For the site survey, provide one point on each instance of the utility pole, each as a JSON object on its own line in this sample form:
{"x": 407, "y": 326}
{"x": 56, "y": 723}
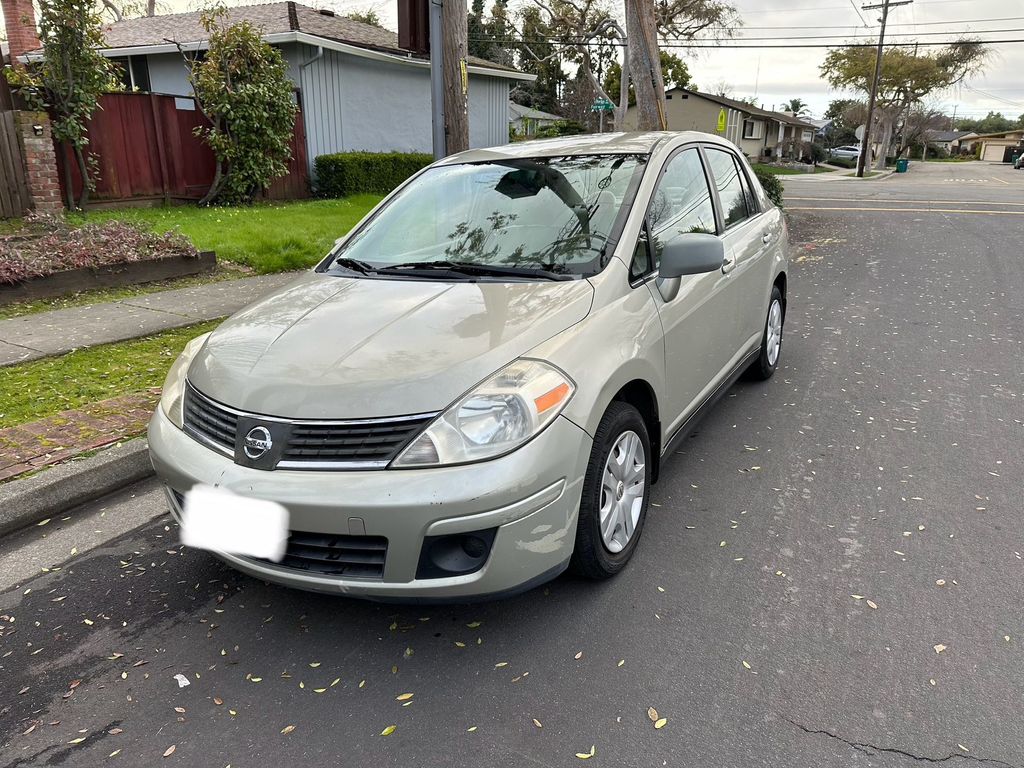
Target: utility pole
{"x": 885, "y": 5}
{"x": 454, "y": 41}
{"x": 436, "y": 80}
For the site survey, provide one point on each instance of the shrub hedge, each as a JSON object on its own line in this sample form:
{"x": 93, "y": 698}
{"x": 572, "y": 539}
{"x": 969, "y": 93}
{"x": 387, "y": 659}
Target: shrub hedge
{"x": 352, "y": 173}
{"x": 772, "y": 185}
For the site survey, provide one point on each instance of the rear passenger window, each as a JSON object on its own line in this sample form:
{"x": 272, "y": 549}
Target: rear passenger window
{"x": 733, "y": 191}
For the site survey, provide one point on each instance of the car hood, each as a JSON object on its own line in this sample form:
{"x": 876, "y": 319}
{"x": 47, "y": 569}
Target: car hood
{"x": 328, "y": 347}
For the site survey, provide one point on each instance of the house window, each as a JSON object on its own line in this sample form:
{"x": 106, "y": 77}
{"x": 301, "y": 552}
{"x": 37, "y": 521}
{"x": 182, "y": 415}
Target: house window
{"x": 807, "y": 136}
{"x": 753, "y": 129}
{"x": 133, "y": 72}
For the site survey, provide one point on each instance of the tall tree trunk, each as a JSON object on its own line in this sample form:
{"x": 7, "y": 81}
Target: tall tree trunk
{"x": 620, "y": 111}
{"x": 83, "y": 169}
{"x": 645, "y": 65}
{"x": 454, "y": 33}
{"x": 884, "y": 144}
{"x": 218, "y": 182}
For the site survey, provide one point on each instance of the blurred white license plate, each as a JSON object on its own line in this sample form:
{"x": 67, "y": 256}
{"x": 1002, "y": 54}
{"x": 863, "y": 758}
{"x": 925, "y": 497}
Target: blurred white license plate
{"x": 222, "y": 521}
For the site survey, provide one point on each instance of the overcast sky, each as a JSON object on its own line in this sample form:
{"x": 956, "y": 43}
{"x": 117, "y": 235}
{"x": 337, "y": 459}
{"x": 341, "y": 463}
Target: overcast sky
{"x": 775, "y": 75}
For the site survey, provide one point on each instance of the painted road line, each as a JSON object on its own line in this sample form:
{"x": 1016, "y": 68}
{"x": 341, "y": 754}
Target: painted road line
{"x": 1001, "y": 181}
{"x": 919, "y": 202}
{"x": 903, "y": 210}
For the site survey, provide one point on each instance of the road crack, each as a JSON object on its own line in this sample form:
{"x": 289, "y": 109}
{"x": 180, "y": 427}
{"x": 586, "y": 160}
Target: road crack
{"x": 871, "y": 748}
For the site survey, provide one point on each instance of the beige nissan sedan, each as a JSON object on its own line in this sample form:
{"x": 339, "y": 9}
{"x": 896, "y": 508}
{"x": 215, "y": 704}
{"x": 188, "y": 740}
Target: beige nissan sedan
{"x": 477, "y": 387}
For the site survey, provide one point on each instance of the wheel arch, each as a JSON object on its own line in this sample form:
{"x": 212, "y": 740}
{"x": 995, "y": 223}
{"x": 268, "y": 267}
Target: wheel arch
{"x": 640, "y": 394}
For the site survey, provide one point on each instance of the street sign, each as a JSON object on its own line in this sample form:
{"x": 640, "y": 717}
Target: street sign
{"x": 601, "y": 104}
{"x": 859, "y": 133}
{"x": 722, "y": 119}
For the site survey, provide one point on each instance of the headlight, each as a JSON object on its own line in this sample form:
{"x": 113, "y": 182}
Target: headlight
{"x": 174, "y": 384}
{"x": 501, "y": 414}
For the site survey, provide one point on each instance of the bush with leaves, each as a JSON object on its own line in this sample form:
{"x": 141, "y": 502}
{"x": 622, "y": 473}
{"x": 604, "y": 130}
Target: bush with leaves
{"x": 243, "y": 89}
{"x": 69, "y": 79}
{"x": 771, "y": 184}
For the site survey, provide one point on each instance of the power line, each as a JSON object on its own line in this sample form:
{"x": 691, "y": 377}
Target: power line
{"x": 853, "y": 26}
{"x": 702, "y": 43}
{"x": 1007, "y": 102}
{"x": 894, "y": 34}
{"x": 859, "y": 14}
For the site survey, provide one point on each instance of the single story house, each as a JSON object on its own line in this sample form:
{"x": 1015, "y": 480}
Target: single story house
{"x": 995, "y": 147}
{"x": 526, "y": 121}
{"x": 357, "y": 88}
{"x": 947, "y": 140}
{"x": 759, "y": 133}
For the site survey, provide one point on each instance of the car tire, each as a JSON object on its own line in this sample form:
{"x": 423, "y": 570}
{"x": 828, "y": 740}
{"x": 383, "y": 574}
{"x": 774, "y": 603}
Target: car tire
{"x": 767, "y": 361}
{"x": 611, "y": 496}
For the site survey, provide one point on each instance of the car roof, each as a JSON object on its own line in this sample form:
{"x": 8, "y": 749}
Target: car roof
{"x": 586, "y": 144}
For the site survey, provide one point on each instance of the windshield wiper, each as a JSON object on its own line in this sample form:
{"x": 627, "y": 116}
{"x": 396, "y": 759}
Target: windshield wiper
{"x": 354, "y": 265}
{"x": 469, "y": 268}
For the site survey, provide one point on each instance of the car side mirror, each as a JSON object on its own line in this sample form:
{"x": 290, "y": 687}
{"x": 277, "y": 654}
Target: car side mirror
{"x": 691, "y": 253}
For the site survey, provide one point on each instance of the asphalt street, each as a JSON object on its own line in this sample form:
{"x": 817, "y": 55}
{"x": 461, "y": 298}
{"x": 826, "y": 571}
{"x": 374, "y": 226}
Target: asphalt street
{"x": 831, "y": 573}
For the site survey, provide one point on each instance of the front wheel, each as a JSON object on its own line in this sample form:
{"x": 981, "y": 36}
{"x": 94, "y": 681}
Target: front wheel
{"x": 616, "y": 492}
{"x": 771, "y": 340}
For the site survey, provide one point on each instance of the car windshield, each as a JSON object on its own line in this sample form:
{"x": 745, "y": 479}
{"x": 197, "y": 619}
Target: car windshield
{"x": 517, "y": 217}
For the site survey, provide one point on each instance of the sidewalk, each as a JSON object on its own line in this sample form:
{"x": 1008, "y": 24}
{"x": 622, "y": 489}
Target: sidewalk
{"x": 54, "y": 333}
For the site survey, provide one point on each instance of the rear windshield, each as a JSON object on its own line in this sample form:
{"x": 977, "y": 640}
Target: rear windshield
{"x": 559, "y": 214}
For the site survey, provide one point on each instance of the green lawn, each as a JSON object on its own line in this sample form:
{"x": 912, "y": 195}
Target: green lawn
{"x": 44, "y": 387}
{"x": 269, "y": 237}
{"x": 776, "y": 170}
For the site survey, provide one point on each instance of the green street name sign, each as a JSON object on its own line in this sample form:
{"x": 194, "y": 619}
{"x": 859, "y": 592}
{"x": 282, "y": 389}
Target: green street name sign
{"x": 601, "y": 104}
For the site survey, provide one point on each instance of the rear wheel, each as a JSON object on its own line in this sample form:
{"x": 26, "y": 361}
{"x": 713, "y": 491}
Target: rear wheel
{"x": 616, "y": 493}
{"x": 771, "y": 340}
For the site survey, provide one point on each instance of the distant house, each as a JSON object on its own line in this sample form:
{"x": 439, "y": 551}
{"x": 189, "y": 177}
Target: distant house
{"x": 526, "y": 121}
{"x": 994, "y": 147}
{"x": 758, "y": 133}
{"x": 947, "y": 140}
{"x": 357, "y": 89}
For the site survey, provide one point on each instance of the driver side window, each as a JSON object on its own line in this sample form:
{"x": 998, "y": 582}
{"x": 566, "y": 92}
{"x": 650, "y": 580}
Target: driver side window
{"x": 681, "y": 203}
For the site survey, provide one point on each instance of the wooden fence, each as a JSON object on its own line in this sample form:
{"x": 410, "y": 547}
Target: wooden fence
{"x": 146, "y": 149}
{"x": 14, "y": 198}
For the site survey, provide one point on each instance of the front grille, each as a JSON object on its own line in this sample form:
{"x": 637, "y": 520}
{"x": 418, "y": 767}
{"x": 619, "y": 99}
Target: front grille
{"x": 208, "y": 421}
{"x": 302, "y": 444}
{"x": 359, "y": 557}
{"x": 380, "y": 441}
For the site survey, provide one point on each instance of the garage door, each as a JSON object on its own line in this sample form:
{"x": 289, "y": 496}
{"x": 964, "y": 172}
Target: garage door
{"x": 993, "y": 153}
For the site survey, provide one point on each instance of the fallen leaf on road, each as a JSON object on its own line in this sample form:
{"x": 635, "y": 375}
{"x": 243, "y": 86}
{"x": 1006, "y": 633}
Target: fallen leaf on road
{"x": 314, "y": 664}
{"x": 652, "y": 713}
{"x": 857, "y": 597}
{"x": 115, "y": 731}
{"x": 43, "y": 522}
{"x": 871, "y": 604}
{"x": 389, "y": 730}
{"x": 471, "y": 729}
{"x": 473, "y": 624}
{"x": 587, "y": 755}
{"x": 182, "y": 680}
{"x": 939, "y": 648}
{"x": 287, "y": 729}
{"x": 79, "y": 740}
{"x": 578, "y": 655}
{"x": 940, "y": 582}
{"x": 218, "y": 701}
{"x": 746, "y": 664}
{"x": 169, "y": 751}
{"x": 115, "y": 753}
{"x": 621, "y": 662}
{"x": 88, "y": 622}
{"x": 965, "y": 749}
{"x": 180, "y": 710}
{"x": 660, "y": 723}
{"x": 404, "y": 696}
{"x": 537, "y": 723}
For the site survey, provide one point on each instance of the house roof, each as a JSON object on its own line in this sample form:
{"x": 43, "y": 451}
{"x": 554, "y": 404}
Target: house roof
{"x": 945, "y": 135}
{"x": 518, "y": 111}
{"x": 998, "y": 134}
{"x": 742, "y": 106}
{"x": 278, "y": 22}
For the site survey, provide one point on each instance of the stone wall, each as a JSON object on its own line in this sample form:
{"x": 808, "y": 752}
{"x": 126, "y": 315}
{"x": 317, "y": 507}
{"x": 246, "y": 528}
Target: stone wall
{"x": 40, "y": 161}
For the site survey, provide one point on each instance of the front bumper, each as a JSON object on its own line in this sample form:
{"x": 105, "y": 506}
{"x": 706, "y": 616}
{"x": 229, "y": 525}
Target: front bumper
{"x": 531, "y": 496}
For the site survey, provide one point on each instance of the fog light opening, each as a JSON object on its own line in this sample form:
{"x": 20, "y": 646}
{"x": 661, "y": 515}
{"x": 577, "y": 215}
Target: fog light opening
{"x": 454, "y": 555}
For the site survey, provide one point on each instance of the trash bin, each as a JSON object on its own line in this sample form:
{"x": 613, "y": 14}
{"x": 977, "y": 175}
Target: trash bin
{"x": 901, "y": 165}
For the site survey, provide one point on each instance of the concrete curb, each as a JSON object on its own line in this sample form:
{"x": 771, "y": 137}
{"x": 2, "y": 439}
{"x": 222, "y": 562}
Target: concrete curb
{"x": 59, "y": 488}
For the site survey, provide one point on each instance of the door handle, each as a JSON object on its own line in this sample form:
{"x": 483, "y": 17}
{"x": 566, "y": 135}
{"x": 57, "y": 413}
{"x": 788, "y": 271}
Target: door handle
{"x": 766, "y": 238}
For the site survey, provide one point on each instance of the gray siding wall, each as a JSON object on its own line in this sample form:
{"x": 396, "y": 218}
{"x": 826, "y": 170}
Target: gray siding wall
{"x": 352, "y": 103}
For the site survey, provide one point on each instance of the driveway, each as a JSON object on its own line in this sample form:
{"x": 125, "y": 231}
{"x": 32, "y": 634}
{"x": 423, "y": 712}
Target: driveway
{"x": 831, "y": 573}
